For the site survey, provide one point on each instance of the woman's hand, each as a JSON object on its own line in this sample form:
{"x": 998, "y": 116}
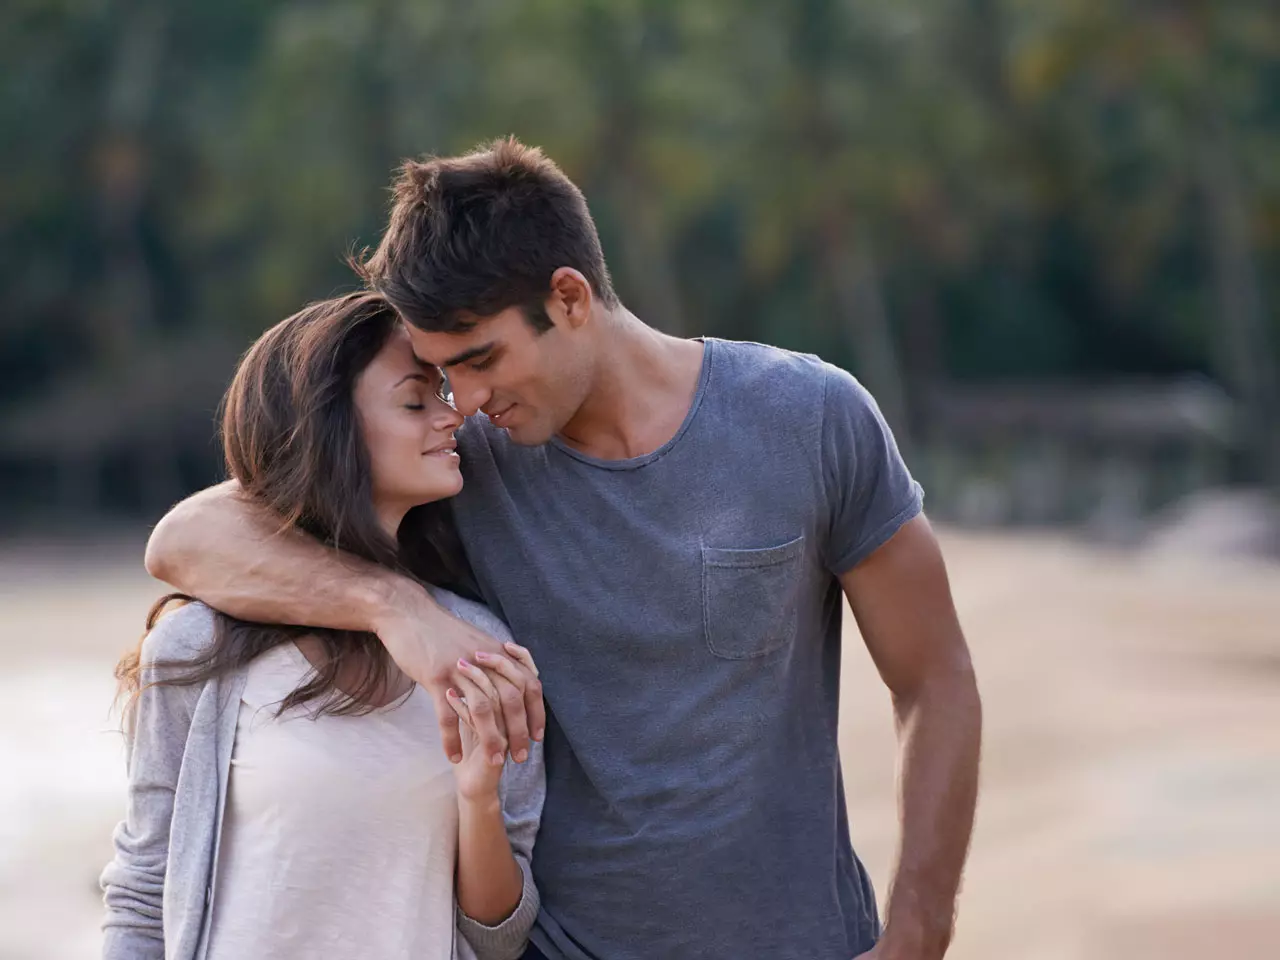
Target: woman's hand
{"x": 426, "y": 643}
{"x": 477, "y": 703}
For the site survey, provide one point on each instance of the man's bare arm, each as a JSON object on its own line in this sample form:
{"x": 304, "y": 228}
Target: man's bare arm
{"x": 902, "y": 601}
{"x": 219, "y": 547}
{"x": 231, "y": 554}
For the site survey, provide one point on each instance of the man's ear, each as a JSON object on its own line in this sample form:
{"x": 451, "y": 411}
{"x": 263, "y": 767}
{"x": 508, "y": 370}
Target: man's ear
{"x": 570, "y": 298}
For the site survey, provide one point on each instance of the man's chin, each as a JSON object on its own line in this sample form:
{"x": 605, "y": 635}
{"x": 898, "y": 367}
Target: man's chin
{"x": 528, "y": 435}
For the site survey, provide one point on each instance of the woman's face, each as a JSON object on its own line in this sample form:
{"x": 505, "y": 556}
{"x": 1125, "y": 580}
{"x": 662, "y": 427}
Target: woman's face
{"x": 408, "y": 429}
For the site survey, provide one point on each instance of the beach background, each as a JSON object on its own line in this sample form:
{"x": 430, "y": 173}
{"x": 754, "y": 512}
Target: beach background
{"x": 1131, "y": 781}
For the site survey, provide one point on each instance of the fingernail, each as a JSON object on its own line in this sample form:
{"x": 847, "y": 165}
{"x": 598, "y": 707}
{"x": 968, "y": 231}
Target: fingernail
{"x": 496, "y": 759}
{"x": 456, "y": 758}
{"x": 522, "y": 756}
{"x": 481, "y": 655}
{"x": 463, "y": 663}
{"x": 537, "y": 735}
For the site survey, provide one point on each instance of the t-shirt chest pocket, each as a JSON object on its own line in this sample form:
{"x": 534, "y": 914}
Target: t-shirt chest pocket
{"x": 749, "y": 598}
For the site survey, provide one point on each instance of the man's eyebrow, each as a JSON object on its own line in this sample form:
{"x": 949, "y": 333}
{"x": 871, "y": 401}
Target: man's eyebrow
{"x": 466, "y": 355}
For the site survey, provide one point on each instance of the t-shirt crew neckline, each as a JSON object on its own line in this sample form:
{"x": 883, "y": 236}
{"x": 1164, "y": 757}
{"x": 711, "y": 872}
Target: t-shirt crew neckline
{"x": 704, "y": 377}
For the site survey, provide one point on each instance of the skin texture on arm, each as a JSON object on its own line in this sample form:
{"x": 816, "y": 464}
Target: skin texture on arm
{"x": 221, "y": 548}
{"x": 489, "y": 880}
{"x": 902, "y": 601}
{"x": 228, "y": 552}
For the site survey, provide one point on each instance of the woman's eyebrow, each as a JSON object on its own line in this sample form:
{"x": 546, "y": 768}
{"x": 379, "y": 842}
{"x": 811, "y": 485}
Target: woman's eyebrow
{"x": 412, "y": 376}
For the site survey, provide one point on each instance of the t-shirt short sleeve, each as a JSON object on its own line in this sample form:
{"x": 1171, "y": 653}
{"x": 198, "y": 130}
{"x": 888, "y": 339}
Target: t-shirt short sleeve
{"x": 870, "y": 492}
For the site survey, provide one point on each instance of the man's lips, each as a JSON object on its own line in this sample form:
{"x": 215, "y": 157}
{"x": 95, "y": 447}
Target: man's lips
{"x": 500, "y": 418}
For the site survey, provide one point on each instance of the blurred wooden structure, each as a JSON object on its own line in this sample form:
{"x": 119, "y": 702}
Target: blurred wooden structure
{"x": 136, "y": 437}
{"x": 1102, "y": 456}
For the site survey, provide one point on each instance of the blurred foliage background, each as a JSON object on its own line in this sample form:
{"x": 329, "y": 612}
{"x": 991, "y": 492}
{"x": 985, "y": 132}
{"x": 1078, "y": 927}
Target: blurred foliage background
{"x": 1045, "y": 233}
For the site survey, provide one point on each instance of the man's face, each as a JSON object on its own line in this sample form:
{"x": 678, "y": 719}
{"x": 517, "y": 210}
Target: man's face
{"x": 529, "y": 383}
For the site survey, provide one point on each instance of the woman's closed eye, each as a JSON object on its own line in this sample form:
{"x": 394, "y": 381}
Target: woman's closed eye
{"x": 416, "y": 388}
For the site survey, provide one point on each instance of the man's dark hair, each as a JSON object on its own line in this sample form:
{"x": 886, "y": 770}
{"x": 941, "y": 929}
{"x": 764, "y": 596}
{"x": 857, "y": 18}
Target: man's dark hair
{"x": 480, "y": 233}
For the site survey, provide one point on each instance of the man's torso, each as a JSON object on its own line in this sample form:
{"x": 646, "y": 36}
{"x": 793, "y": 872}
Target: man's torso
{"x": 688, "y": 634}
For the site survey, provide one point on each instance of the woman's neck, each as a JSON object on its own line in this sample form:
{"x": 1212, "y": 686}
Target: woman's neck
{"x": 390, "y": 516}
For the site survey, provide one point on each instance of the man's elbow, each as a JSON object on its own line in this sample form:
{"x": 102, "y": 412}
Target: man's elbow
{"x": 161, "y": 559}
{"x": 949, "y": 685}
{"x": 179, "y": 528}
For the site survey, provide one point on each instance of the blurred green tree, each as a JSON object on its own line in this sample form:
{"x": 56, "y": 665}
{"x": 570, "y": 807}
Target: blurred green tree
{"x": 926, "y": 191}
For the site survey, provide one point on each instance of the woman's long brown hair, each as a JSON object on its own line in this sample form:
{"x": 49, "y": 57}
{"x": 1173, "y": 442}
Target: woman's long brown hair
{"x": 291, "y": 437}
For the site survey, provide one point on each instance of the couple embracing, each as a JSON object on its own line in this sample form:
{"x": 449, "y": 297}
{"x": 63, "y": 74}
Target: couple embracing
{"x": 518, "y": 629}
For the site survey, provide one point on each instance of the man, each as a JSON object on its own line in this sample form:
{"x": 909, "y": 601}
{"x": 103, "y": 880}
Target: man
{"x": 669, "y": 525}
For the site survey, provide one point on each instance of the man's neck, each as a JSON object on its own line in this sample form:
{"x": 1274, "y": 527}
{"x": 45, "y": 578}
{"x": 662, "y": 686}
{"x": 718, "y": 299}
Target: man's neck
{"x": 644, "y": 384}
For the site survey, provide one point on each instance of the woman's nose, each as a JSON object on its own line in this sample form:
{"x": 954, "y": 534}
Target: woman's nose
{"x": 447, "y": 416}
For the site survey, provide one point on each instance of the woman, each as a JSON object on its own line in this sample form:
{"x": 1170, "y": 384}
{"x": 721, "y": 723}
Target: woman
{"x": 288, "y": 794}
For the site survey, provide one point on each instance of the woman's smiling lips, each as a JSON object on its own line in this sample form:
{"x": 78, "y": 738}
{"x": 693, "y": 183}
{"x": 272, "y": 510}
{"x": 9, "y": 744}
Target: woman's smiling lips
{"x": 447, "y": 449}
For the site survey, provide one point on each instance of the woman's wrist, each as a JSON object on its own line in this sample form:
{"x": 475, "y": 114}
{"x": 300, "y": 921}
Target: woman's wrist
{"x": 485, "y": 804}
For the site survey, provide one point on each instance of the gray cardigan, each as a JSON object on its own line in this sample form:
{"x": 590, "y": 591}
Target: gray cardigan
{"x": 159, "y": 887}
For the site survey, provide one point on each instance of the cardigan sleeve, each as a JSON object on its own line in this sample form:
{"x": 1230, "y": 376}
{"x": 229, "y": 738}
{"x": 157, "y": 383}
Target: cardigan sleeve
{"x": 158, "y": 721}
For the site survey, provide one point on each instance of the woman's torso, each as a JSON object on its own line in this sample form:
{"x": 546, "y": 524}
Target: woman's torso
{"x": 340, "y": 832}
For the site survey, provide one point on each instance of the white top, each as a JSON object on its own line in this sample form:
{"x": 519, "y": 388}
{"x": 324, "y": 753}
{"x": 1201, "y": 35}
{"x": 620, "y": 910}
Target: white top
{"x": 340, "y": 833}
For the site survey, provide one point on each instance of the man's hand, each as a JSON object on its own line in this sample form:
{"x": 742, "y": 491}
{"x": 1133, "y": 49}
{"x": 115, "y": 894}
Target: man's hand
{"x": 478, "y": 699}
{"x": 480, "y": 772}
{"x": 888, "y": 949}
{"x": 428, "y": 644}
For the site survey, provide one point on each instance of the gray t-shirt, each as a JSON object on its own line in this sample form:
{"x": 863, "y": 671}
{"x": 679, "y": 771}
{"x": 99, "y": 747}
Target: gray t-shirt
{"x": 684, "y": 610}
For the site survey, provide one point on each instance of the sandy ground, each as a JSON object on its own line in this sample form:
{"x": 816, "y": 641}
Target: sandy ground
{"x": 1131, "y": 791}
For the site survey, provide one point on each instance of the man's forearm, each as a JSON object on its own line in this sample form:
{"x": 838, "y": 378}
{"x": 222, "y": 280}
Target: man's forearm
{"x": 940, "y": 736}
{"x": 231, "y": 554}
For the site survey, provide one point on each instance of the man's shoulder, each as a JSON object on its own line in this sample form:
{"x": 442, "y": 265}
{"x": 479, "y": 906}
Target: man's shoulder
{"x": 778, "y": 388}
{"x": 744, "y": 363}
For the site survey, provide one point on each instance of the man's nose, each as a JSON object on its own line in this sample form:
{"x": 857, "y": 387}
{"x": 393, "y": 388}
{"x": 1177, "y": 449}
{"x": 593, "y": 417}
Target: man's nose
{"x": 469, "y": 399}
